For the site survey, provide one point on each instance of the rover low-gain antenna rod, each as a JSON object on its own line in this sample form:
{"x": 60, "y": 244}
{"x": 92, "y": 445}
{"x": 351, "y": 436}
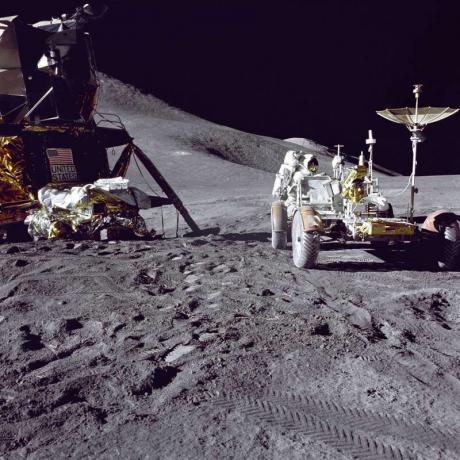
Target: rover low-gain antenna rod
{"x": 416, "y": 137}
{"x": 370, "y": 141}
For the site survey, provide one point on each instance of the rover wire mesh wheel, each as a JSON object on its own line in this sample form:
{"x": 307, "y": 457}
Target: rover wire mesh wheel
{"x": 279, "y": 240}
{"x": 279, "y": 228}
{"x": 449, "y": 253}
{"x": 305, "y": 246}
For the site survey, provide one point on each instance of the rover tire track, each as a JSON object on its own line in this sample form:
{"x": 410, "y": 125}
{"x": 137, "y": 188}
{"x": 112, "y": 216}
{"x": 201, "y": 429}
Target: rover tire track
{"x": 348, "y": 441}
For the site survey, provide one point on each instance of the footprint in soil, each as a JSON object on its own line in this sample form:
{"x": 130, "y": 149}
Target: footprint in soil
{"x": 144, "y": 277}
{"x": 184, "y": 311}
{"x": 223, "y": 268}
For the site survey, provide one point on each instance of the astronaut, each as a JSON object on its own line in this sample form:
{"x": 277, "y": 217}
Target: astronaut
{"x": 308, "y": 166}
{"x": 296, "y": 165}
{"x": 338, "y": 163}
{"x": 285, "y": 174}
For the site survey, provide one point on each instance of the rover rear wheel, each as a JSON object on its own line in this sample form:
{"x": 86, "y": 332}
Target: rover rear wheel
{"x": 449, "y": 251}
{"x": 305, "y": 245}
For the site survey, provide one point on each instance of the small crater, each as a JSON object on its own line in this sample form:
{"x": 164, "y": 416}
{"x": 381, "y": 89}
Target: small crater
{"x": 409, "y": 335}
{"x": 143, "y": 277}
{"x": 69, "y": 396}
{"x": 30, "y": 341}
{"x": 139, "y": 317}
{"x": 21, "y": 263}
{"x": 267, "y": 292}
{"x": 247, "y": 343}
{"x": 159, "y": 378}
{"x": 438, "y": 302}
{"x": 321, "y": 329}
{"x": 38, "y": 364}
{"x": 419, "y": 313}
{"x": 199, "y": 242}
{"x": 232, "y": 334}
{"x": 99, "y": 414}
{"x": 72, "y": 324}
{"x": 100, "y": 360}
{"x": 163, "y": 289}
{"x": 116, "y": 328}
{"x": 376, "y": 334}
{"x": 180, "y": 315}
{"x": 317, "y": 301}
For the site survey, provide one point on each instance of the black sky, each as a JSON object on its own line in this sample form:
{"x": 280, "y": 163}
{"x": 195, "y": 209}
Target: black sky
{"x": 313, "y": 68}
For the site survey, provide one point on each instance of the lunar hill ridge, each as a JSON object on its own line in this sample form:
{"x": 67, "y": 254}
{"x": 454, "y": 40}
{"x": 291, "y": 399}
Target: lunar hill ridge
{"x": 217, "y": 346}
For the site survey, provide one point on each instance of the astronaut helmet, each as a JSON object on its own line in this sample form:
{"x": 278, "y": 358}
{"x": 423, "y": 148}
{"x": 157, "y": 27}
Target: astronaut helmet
{"x": 292, "y": 158}
{"x": 310, "y": 163}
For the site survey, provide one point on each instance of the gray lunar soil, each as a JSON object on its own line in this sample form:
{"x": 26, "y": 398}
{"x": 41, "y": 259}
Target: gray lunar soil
{"x": 217, "y": 346}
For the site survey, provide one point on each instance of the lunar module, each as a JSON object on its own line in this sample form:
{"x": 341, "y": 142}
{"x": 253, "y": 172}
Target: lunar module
{"x": 50, "y": 136}
{"x": 349, "y": 206}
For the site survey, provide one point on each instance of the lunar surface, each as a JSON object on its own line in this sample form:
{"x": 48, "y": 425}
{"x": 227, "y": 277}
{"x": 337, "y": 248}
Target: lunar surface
{"x": 216, "y": 346}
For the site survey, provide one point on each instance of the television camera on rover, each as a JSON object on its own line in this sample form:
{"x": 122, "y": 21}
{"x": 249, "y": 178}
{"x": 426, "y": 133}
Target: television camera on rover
{"x": 350, "y": 207}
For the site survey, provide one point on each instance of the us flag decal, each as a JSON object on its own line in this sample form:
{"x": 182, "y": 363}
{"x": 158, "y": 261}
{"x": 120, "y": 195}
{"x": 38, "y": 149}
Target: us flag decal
{"x": 61, "y": 164}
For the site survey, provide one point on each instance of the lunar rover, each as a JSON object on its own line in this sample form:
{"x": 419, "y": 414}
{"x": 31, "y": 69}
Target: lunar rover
{"x": 349, "y": 206}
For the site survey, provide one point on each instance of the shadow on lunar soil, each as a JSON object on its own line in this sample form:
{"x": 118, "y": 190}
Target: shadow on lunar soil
{"x": 262, "y": 237}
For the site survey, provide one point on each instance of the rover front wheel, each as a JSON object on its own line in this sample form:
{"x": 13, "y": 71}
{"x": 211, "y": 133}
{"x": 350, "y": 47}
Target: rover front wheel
{"x": 279, "y": 225}
{"x": 279, "y": 240}
{"x": 305, "y": 245}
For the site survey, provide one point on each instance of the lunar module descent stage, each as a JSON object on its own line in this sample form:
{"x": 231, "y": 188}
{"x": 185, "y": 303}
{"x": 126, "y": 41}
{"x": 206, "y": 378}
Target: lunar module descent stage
{"x": 48, "y": 132}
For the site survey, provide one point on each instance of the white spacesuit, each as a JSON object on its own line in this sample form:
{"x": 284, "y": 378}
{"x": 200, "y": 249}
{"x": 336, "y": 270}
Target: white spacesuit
{"x": 285, "y": 173}
{"x": 295, "y": 167}
{"x": 338, "y": 164}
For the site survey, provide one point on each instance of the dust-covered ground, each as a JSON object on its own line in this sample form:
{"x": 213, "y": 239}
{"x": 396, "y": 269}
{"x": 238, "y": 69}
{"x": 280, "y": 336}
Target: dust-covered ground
{"x": 217, "y": 346}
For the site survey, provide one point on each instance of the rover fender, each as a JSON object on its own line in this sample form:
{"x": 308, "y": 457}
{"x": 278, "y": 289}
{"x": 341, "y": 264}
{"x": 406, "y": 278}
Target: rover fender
{"x": 436, "y": 221}
{"x": 279, "y": 217}
{"x": 311, "y": 220}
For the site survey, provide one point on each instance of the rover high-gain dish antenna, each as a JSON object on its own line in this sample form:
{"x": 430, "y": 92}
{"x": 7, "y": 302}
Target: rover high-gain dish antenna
{"x": 415, "y": 120}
